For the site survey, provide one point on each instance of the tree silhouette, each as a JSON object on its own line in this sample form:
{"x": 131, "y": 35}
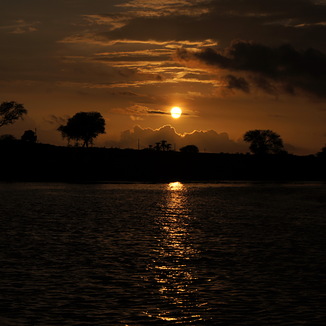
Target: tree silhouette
{"x": 189, "y": 149}
{"x": 264, "y": 142}
{"x": 157, "y": 146}
{"x": 29, "y": 136}
{"x": 84, "y": 126}
{"x": 7, "y": 138}
{"x": 168, "y": 147}
{"x": 162, "y": 146}
{"x": 322, "y": 153}
{"x": 10, "y": 112}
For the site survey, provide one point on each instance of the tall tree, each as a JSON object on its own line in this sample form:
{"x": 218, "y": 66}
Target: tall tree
{"x": 83, "y": 126}
{"x": 264, "y": 142}
{"x": 162, "y": 146}
{"x": 157, "y": 146}
{"x": 10, "y": 112}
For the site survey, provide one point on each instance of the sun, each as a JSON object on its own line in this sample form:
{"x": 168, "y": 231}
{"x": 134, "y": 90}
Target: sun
{"x": 176, "y": 112}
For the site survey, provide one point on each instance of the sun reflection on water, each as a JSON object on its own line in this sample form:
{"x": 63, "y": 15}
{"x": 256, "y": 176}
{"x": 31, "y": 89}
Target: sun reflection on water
{"x": 175, "y": 186}
{"x": 173, "y": 265}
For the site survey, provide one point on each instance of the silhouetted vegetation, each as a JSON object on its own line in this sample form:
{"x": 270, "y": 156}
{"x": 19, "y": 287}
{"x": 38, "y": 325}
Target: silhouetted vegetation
{"x": 83, "y": 126}
{"x": 43, "y": 162}
{"x": 29, "y": 136}
{"x": 10, "y": 112}
{"x": 7, "y": 138}
{"x": 189, "y": 149}
{"x": 264, "y": 142}
{"x": 322, "y": 153}
{"x": 162, "y": 145}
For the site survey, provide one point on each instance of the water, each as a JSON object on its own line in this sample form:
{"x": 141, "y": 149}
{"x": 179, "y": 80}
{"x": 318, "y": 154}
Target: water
{"x": 162, "y": 254}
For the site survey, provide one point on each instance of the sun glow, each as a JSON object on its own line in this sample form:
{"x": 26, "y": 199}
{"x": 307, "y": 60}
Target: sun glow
{"x": 175, "y": 186}
{"x": 176, "y": 112}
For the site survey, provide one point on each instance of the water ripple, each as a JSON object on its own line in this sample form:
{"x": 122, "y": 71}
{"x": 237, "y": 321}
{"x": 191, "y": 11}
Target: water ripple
{"x": 162, "y": 254}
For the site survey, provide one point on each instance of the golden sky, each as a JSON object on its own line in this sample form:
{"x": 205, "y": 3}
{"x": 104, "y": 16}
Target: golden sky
{"x": 230, "y": 65}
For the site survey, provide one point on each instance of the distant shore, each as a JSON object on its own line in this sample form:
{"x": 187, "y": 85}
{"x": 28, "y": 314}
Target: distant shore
{"x": 26, "y": 162}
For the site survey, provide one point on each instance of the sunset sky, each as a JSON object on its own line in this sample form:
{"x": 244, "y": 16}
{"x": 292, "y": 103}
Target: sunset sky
{"x": 230, "y": 66}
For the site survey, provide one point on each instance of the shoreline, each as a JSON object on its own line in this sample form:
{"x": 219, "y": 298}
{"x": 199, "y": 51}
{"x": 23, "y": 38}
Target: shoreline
{"x": 28, "y": 162}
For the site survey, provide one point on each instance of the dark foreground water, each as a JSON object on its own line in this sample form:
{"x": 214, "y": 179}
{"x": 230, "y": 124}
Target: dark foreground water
{"x": 164, "y": 254}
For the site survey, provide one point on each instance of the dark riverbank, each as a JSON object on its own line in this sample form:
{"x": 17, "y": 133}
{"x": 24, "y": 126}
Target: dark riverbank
{"x": 41, "y": 162}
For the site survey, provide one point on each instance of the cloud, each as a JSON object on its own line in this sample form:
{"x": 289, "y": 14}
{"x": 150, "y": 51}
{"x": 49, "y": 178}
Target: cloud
{"x": 163, "y": 8}
{"x": 158, "y": 112}
{"x": 240, "y": 83}
{"x": 113, "y": 21}
{"x": 20, "y": 26}
{"x": 206, "y": 141}
{"x": 106, "y": 39}
{"x": 138, "y": 111}
{"x": 141, "y": 35}
{"x": 299, "y": 21}
{"x": 56, "y": 120}
{"x": 272, "y": 69}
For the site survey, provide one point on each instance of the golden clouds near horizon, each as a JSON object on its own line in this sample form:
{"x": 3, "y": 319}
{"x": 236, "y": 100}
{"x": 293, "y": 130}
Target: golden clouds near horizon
{"x": 176, "y": 112}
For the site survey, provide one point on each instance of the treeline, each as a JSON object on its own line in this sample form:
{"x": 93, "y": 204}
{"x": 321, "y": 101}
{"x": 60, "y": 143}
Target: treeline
{"x": 27, "y": 161}
{"x": 84, "y": 127}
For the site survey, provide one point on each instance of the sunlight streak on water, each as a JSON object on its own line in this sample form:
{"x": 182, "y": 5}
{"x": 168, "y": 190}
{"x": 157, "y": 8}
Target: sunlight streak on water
{"x": 170, "y": 267}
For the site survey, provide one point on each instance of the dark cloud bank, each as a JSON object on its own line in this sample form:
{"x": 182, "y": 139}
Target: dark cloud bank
{"x": 272, "y": 69}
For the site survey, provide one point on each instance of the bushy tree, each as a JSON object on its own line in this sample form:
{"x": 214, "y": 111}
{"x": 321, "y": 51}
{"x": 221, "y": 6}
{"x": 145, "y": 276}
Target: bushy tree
{"x": 264, "y": 142}
{"x": 10, "y": 112}
{"x": 83, "y": 126}
{"x": 189, "y": 149}
{"x": 29, "y": 136}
